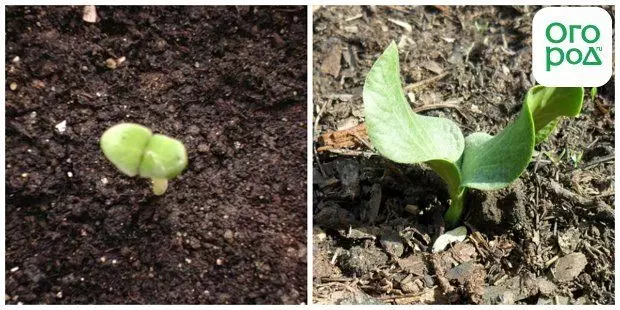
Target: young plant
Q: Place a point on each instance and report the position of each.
(135, 150)
(479, 161)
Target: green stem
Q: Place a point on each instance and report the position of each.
(453, 216)
(159, 186)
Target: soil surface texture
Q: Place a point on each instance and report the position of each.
(230, 82)
(546, 239)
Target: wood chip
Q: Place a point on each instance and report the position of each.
(401, 23)
(331, 63)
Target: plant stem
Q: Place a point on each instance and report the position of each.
(159, 186)
(457, 203)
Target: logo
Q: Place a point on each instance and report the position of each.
(572, 46)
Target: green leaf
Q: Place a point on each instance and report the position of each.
(450, 173)
(546, 131)
(549, 103)
(123, 145)
(495, 162)
(134, 150)
(164, 158)
(394, 129)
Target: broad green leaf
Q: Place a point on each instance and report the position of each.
(164, 158)
(544, 132)
(547, 104)
(394, 129)
(450, 173)
(123, 145)
(495, 162)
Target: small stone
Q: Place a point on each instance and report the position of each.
(16, 59)
(13, 86)
(413, 209)
(59, 294)
(89, 14)
(24, 175)
(546, 287)
(102, 259)
(62, 126)
(110, 63)
(570, 266)
(70, 174)
(104, 180)
(456, 235)
(360, 261)
(14, 269)
(229, 236)
(219, 262)
(392, 244)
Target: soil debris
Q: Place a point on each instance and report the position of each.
(570, 266)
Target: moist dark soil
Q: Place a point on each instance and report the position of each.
(230, 82)
(546, 239)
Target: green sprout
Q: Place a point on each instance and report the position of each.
(135, 150)
(593, 92)
(479, 161)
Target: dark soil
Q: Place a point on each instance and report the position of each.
(230, 82)
(547, 239)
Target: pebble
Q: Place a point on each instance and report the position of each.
(62, 126)
(13, 86)
(16, 59)
(219, 262)
(89, 14)
(229, 236)
(14, 269)
(392, 244)
(570, 266)
(110, 63)
(70, 174)
(456, 235)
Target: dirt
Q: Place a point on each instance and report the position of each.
(546, 239)
(230, 82)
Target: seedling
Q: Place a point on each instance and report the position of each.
(135, 150)
(479, 161)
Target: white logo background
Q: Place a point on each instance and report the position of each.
(566, 74)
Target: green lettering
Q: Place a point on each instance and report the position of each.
(548, 32)
(597, 60)
(550, 62)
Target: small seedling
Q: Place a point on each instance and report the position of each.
(593, 92)
(479, 161)
(135, 150)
